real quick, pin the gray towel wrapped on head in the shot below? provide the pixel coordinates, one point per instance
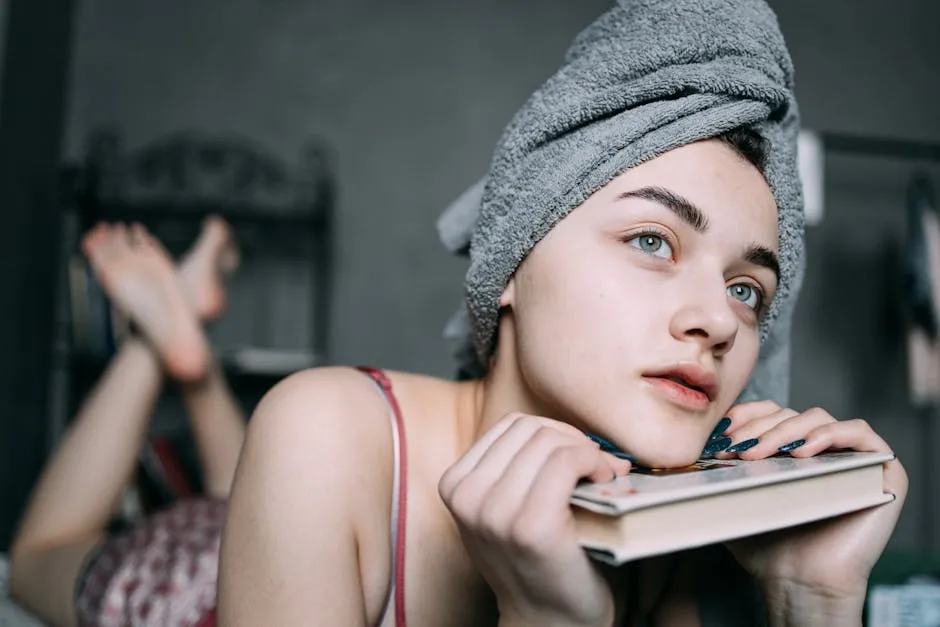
(646, 77)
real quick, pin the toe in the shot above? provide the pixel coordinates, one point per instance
(94, 238)
(118, 243)
(137, 235)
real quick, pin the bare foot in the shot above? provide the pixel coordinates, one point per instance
(138, 276)
(201, 269)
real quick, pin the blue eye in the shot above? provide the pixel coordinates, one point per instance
(747, 294)
(652, 244)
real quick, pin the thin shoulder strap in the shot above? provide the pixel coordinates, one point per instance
(396, 588)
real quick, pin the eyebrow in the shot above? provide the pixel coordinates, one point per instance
(693, 216)
(680, 206)
(763, 257)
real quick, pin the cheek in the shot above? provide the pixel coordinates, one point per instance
(583, 335)
(592, 309)
(739, 364)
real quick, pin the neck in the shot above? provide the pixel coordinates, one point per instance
(501, 392)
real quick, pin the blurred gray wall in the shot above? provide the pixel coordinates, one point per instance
(862, 68)
(413, 95)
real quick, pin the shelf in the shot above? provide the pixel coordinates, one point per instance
(270, 362)
(246, 364)
(278, 211)
(196, 212)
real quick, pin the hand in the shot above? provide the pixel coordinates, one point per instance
(510, 497)
(830, 560)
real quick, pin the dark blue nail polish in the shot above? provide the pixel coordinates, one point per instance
(621, 455)
(601, 442)
(742, 446)
(716, 446)
(786, 448)
(609, 447)
(720, 429)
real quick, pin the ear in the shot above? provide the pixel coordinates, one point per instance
(508, 297)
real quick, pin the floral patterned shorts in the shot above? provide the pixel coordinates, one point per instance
(163, 571)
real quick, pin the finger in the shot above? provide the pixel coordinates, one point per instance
(788, 433)
(532, 441)
(746, 412)
(524, 435)
(895, 481)
(756, 425)
(855, 435)
(513, 431)
(754, 430)
(546, 509)
(619, 465)
(522, 426)
(511, 489)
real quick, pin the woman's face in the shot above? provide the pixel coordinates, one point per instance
(637, 317)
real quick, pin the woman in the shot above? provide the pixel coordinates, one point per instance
(65, 565)
(639, 237)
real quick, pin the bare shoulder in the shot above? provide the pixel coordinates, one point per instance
(320, 423)
(339, 408)
(311, 489)
(315, 392)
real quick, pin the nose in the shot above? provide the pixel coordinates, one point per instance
(705, 316)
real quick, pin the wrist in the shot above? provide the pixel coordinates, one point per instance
(792, 604)
(534, 621)
(541, 618)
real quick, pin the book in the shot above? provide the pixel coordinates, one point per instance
(653, 512)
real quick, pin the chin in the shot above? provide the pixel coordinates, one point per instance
(665, 439)
(665, 451)
(670, 459)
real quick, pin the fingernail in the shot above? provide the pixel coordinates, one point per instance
(720, 429)
(601, 442)
(716, 446)
(610, 447)
(742, 446)
(622, 455)
(786, 448)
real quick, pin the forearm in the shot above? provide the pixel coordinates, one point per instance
(218, 425)
(793, 605)
(85, 477)
(538, 619)
(540, 622)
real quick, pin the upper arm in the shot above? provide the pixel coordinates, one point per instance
(290, 551)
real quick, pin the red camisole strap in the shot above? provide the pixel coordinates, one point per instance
(383, 382)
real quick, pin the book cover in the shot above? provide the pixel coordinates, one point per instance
(645, 487)
(654, 512)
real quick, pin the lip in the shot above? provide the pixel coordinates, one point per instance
(688, 385)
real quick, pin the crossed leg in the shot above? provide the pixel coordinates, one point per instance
(83, 481)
